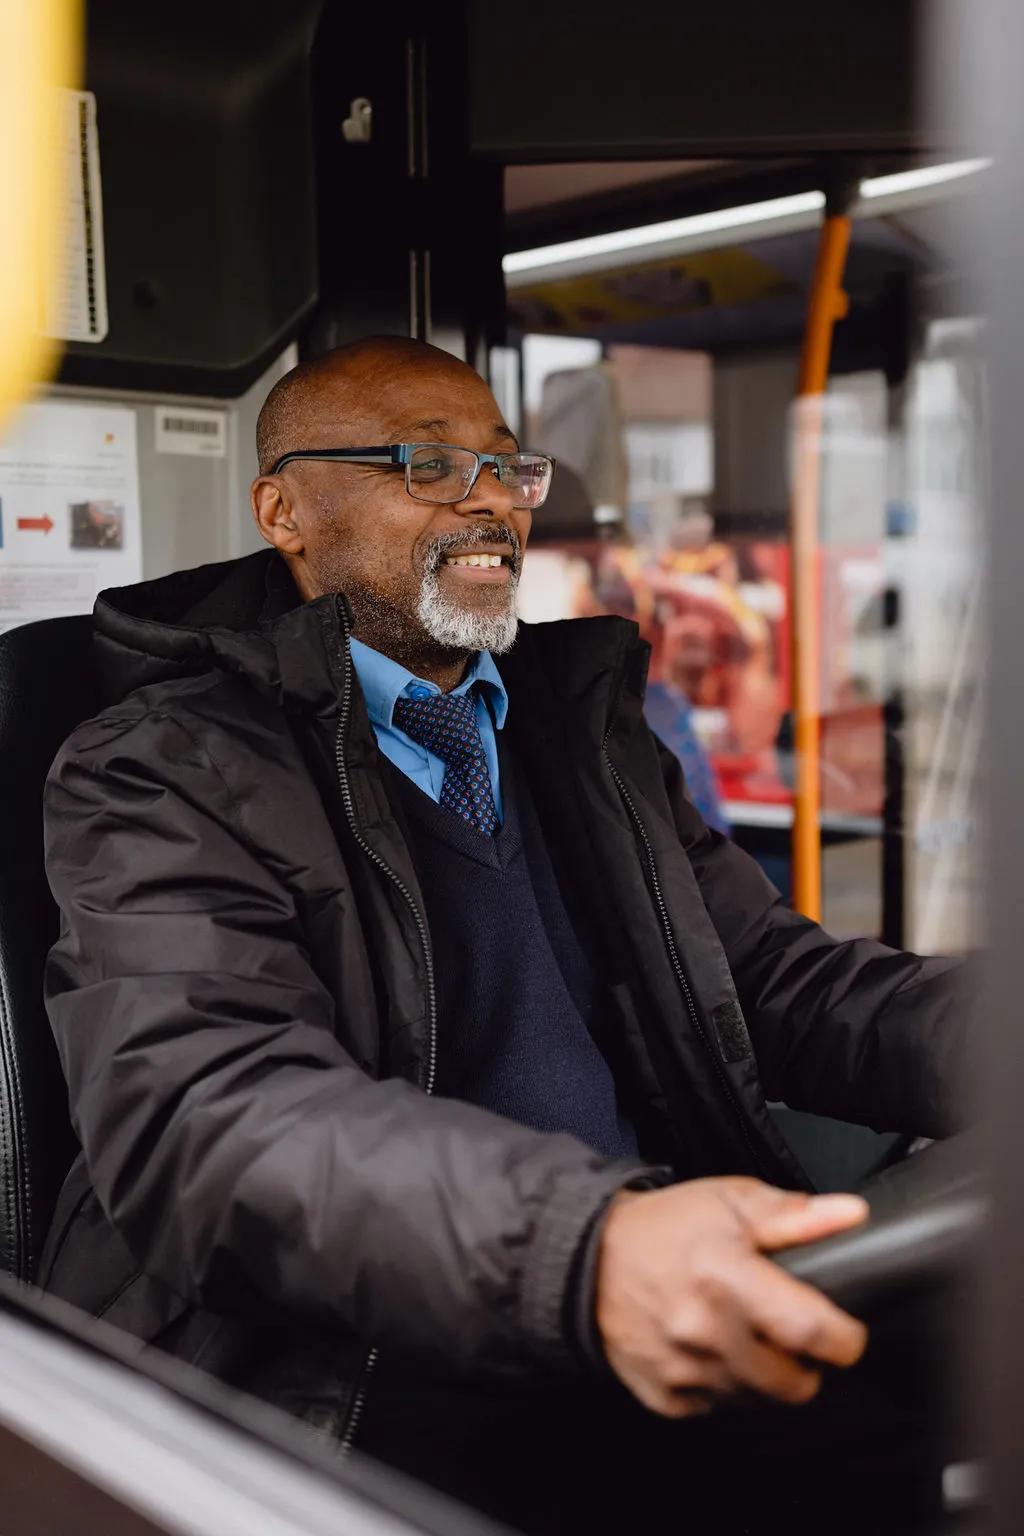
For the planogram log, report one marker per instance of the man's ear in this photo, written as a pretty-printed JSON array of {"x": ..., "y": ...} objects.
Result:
[{"x": 274, "y": 514}]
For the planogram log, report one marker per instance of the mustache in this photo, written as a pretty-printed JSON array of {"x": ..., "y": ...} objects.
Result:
[{"x": 478, "y": 536}]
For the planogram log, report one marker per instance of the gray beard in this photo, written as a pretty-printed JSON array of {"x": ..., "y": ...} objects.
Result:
[{"x": 455, "y": 628}]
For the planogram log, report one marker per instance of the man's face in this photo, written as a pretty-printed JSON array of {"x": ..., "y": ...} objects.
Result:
[{"x": 402, "y": 563}]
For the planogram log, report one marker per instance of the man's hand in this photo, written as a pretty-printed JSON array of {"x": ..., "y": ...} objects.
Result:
[{"x": 689, "y": 1309}]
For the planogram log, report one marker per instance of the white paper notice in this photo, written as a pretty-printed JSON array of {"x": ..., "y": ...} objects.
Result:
[
  {"x": 76, "y": 303},
  {"x": 69, "y": 509}
]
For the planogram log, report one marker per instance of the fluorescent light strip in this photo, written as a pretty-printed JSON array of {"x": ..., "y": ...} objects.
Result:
[
  {"x": 621, "y": 240},
  {"x": 787, "y": 212},
  {"x": 923, "y": 176}
]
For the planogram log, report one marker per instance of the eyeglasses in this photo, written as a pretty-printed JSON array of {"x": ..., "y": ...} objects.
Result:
[{"x": 439, "y": 472}]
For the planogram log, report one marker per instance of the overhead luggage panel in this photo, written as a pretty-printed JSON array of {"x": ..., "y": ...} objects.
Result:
[{"x": 206, "y": 164}]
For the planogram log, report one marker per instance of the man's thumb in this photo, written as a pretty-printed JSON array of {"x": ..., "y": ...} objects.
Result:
[{"x": 805, "y": 1219}]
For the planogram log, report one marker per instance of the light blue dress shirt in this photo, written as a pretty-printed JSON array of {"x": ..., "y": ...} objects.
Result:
[{"x": 383, "y": 681}]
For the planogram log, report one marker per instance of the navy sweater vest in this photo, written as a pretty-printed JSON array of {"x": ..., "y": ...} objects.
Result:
[
  {"x": 516, "y": 989},
  {"x": 517, "y": 985}
]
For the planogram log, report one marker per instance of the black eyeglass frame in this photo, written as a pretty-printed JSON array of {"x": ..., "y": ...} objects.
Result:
[{"x": 399, "y": 456}]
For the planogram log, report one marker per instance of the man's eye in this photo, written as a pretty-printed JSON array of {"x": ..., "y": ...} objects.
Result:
[{"x": 432, "y": 469}]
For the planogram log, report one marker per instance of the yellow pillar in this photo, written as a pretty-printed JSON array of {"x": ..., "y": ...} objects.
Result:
[{"x": 40, "y": 49}]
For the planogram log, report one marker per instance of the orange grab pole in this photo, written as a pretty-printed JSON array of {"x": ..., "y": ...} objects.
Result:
[{"x": 828, "y": 303}]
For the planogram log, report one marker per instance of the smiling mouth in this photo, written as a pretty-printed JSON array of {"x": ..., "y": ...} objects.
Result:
[
  {"x": 481, "y": 559},
  {"x": 475, "y": 557}
]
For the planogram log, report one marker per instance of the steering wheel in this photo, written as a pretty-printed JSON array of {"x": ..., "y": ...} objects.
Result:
[{"x": 927, "y": 1214}]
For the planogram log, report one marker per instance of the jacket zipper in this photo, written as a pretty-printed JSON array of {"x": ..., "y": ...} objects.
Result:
[
  {"x": 677, "y": 965},
  {"x": 429, "y": 1073},
  {"x": 18, "y": 1206}
]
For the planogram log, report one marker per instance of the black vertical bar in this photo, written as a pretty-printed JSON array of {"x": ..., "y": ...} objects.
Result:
[
  {"x": 410, "y": 225},
  {"x": 419, "y": 173},
  {"x": 364, "y": 190},
  {"x": 894, "y": 801}
]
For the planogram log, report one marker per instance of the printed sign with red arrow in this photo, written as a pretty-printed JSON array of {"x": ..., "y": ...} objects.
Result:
[{"x": 38, "y": 524}]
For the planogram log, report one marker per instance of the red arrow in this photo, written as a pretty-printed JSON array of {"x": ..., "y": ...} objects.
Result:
[{"x": 38, "y": 524}]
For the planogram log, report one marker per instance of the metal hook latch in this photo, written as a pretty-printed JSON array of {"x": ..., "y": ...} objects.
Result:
[{"x": 358, "y": 126}]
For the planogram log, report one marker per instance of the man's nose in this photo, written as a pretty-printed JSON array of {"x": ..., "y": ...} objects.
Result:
[{"x": 488, "y": 498}]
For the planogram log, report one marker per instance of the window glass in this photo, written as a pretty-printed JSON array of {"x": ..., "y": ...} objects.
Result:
[{"x": 671, "y": 506}]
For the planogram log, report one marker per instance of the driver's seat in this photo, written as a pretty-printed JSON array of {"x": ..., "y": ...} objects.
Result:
[{"x": 46, "y": 689}]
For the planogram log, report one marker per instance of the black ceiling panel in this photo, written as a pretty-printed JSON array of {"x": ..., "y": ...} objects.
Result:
[{"x": 579, "y": 80}]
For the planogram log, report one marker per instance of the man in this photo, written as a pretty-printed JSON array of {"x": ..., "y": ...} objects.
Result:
[{"x": 407, "y": 1006}]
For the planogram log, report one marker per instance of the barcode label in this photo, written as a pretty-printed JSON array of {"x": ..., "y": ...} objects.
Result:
[
  {"x": 187, "y": 424},
  {"x": 191, "y": 430}
]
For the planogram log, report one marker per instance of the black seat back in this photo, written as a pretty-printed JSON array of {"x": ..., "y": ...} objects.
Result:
[{"x": 46, "y": 689}]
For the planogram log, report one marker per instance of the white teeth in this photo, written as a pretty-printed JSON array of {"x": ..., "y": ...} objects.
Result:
[{"x": 485, "y": 559}]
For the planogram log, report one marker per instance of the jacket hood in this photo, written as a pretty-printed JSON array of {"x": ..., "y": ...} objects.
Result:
[
  {"x": 246, "y": 617},
  {"x": 237, "y": 616}
]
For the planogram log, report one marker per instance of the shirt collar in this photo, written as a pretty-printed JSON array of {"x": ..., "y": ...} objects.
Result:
[{"x": 384, "y": 681}]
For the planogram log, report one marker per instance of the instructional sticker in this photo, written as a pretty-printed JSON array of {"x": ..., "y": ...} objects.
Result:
[{"x": 69, "y": 506}]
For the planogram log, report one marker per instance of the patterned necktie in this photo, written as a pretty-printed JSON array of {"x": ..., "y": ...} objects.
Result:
[{"x": 446, "y": 725}]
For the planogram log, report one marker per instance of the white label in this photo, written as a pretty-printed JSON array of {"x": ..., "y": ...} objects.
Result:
[
  {"x": 76, "y": 302},
  {"x": 189, "y": 429}
]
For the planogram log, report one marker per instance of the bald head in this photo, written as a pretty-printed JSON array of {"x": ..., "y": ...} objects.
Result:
[{"x": 307, "y": 407}]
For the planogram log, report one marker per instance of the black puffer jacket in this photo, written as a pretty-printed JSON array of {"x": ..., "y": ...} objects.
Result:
[{"x": 244, "y": 1002}]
